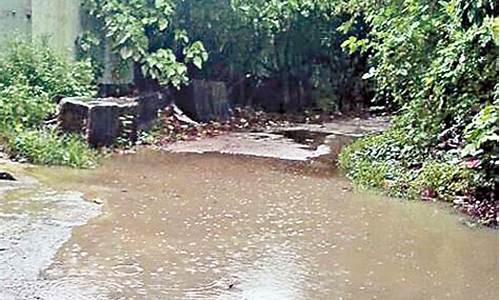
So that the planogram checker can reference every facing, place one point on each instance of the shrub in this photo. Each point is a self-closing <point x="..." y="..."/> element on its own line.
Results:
<point x="47" y="146"/>
<point x="31" y="76"/>
<point x="23" y="107"/>
<point x="481" y="144"/>
<point x="438" y="63"/>
<point x="373" y="162"/>
<point x="442" y="180"/>
<point x="386" y="163"/>
<point x="45" y="71"/>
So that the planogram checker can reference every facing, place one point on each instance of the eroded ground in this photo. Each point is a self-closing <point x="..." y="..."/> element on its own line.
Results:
<point x="210" y="226"/>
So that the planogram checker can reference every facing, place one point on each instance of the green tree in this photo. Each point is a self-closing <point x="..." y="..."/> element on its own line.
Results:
<point x="142" y="32"/>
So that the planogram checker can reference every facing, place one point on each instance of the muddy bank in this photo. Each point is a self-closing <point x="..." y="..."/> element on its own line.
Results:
<point x="190" y="226"/>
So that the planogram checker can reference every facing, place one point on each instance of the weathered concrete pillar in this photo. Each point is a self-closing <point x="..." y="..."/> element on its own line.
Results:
<point x="57" y="22"/>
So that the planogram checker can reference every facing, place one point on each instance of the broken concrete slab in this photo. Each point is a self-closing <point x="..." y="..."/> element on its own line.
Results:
<point x="283" y="142"/>
<point x="101" y="121"/>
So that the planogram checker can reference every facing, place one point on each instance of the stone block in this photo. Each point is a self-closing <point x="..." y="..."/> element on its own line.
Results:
<point x="111" y="119"/>
<point x="101" y="121"/>
<point x="73" y="114"/>
<point x="204" y="100"/>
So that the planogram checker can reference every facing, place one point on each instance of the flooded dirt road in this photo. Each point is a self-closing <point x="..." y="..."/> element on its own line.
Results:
<point x="213" y="226"/>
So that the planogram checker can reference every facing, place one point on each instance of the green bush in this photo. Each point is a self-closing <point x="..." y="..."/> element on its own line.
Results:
<point x="380" y="162"/>
<point x="443" y="180"/>
<point x="374" y="162"/>
<point x="31" y="76"/>
<point x="22" y="107"/>
<point x="438" y="63"/>
<point x="45" y="71"/>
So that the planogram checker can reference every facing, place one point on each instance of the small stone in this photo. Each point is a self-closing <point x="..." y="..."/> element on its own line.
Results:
<point x="6" y="176"/>
<point x="98" y="201"/>
<point x="346" y="188"/>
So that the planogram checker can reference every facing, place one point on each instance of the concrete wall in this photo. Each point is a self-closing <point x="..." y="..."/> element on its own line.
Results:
<point x="15" y="20"/>
<point x="57" y="22"/>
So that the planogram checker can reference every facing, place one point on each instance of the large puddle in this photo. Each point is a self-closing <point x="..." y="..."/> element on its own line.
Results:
<point x="190" y="226"/>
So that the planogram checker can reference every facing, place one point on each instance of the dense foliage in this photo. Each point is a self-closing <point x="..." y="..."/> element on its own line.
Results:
<point x="437" y="62"/>
<point x="142" y="32"/>
<point x="283" y="55"/>
<point x="32" y="78"/>
<point x="286" y="51"/>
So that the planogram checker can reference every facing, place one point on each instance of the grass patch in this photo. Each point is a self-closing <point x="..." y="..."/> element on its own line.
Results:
<point x="47" y="146"/>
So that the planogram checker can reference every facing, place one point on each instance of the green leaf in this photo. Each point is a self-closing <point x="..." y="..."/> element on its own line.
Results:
<point x="494" y="29"/>
<point x="126" y="53"/>
<point x="469" y="149"/>
<point x="162" y="24"/>
<point x="159" y="3"/>
<point x="198" y="62"/>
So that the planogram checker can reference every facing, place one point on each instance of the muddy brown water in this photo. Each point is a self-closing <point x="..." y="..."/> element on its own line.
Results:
<point x="211" y="226"/>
